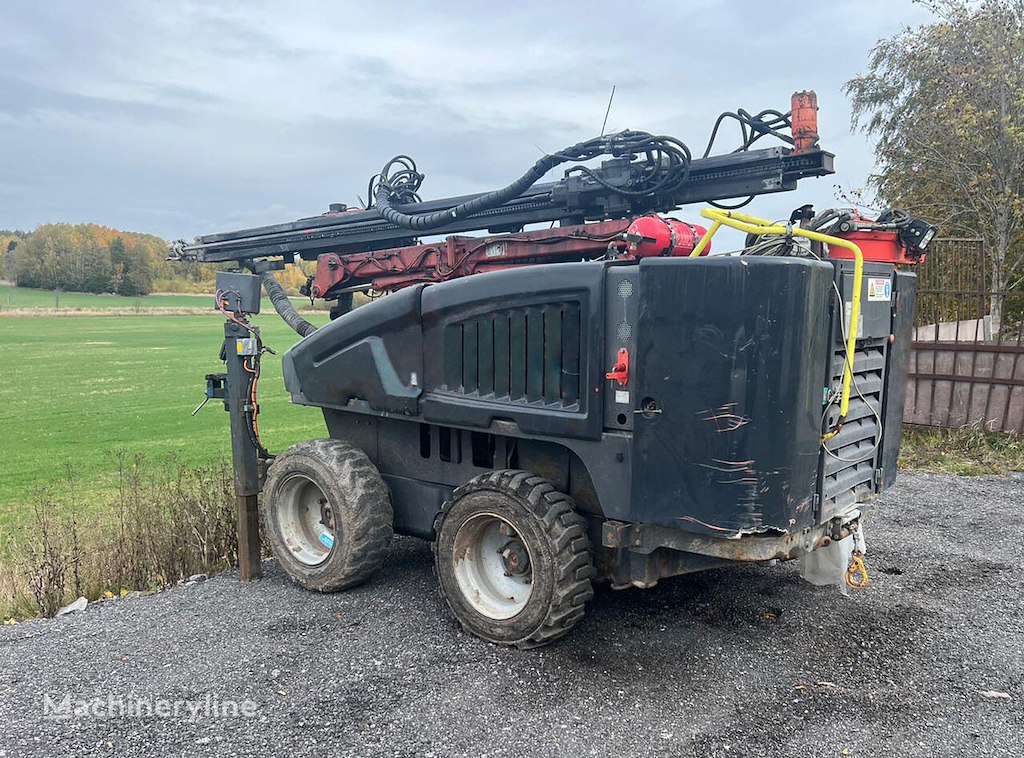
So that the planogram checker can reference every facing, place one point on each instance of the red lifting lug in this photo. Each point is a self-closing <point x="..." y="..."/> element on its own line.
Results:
<point x="620" y="371"/>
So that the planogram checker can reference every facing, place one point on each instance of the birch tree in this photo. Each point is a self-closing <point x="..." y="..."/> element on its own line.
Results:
<point x="945" y="102"/>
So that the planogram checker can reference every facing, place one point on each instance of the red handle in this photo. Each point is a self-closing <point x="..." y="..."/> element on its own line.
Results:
<point x="620" y="371"/>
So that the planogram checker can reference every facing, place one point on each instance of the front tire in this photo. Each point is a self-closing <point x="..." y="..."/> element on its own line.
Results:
<point x="327" y="514"/>
<point x="513" y="559"/>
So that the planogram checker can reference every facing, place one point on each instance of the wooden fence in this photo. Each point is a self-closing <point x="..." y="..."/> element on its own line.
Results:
<point x="963" y="372"/>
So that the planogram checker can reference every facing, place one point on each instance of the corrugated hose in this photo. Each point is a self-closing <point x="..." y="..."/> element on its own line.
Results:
<point x="283" y="305"/>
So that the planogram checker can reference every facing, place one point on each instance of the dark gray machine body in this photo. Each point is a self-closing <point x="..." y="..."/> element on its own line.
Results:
<point x="709" y="454"/>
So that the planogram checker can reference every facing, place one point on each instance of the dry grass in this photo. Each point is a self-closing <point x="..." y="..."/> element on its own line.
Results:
<point x="965" y="452"/>
<point x="164" y="523"/>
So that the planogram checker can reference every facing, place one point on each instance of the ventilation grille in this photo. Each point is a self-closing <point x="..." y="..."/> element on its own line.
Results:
<point x="851" y="467"/>
<point x="623" y="331"/>
<point x="526" y="355"/>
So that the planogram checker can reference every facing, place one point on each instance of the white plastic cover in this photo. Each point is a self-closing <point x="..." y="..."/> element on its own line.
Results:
<point x="827" y="565"/>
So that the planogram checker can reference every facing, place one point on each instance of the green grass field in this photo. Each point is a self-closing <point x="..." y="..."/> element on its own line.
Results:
<point x="78" y="389"/>
<point x="21" y="299"/>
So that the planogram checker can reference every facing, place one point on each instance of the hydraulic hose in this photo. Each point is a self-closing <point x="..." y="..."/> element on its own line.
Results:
<point x="283" y="305"/>
<point x="490" y="200"/>
<point x="668" y="161"/>
<point x="755" y="225"/>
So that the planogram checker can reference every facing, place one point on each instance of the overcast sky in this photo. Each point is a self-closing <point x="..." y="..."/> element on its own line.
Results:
<point x="189" y="118"/>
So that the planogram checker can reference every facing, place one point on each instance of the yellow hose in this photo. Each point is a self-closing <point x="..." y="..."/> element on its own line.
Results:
<point x="755" y="225"/>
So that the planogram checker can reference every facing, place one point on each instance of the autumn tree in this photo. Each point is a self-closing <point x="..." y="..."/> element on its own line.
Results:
<point x="9" y="241"/>
<point x="946" y="104"/>
<point x="294" y="276"/>
<point x="44" y="259"/>
<point x="88" y="258"/>
<point x="130" y="264"/>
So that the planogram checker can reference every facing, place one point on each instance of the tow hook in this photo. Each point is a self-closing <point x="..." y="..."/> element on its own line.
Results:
<point x="857" y="571"/>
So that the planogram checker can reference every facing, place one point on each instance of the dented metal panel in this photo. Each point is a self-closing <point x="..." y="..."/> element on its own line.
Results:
<point x="731" y="352"/>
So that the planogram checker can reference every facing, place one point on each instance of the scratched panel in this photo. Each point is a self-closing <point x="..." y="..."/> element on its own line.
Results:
<point x="737" y="374"/>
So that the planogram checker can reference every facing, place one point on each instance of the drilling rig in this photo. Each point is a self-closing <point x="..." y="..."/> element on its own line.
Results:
<point x="578" y="392"/>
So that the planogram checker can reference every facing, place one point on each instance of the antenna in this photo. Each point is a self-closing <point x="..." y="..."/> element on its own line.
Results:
<point x="607" y="111"/>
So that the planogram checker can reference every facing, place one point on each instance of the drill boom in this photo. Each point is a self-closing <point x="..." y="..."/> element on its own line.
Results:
<point x="572" y="200"/>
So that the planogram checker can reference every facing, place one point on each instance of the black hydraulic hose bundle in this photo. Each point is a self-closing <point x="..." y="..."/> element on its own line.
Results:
<point x="753" y="128"/>
<point x="283" y="305"/>
<point x="667" y="167"/>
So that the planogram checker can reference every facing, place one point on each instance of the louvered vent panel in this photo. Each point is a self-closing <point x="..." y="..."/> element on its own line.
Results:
<point x="525" y="355"/>
<point x="854" y="451"/>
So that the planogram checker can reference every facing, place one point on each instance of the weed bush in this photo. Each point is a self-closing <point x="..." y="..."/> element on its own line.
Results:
<point x="165" y="522"/>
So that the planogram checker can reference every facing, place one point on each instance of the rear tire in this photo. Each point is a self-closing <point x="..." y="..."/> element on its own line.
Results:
<point x="327" y="514"/>
<point x="513" y="559"/>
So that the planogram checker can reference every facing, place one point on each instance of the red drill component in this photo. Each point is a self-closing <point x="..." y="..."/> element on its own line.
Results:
<point x="881" y="246"/>
<point x="894" y="237"/>
<point x="804" y="108"/>
<point x="457" y="256"/>
<point x="620" y="371"/>
<point x="650" y="236"/>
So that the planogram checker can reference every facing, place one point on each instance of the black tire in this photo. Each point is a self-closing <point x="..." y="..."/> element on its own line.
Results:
<point x="355" y="512"/>
<point x="535" y="516"/>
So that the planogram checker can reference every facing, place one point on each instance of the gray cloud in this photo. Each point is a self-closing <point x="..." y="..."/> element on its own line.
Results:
<point x="24" y="100"/>
<point x="182" y="119"/>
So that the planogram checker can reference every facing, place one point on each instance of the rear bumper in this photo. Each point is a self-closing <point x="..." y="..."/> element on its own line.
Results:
<point x="746" y="547"/>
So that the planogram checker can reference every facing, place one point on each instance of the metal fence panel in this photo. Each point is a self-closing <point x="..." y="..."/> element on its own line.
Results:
<point x="965" y="370"/>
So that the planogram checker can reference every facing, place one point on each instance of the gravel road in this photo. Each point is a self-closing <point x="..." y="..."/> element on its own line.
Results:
<point x="739" y="662"/>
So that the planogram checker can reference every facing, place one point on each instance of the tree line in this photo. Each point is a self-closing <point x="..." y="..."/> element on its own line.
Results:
<point x="99" y="259"/>
<point x="84" y="258"/>
<point x="87" y="258"/>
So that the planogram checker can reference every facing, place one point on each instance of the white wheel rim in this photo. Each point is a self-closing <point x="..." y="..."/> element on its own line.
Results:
<point x="306" y="520"/>
<point x="489" y="557"/>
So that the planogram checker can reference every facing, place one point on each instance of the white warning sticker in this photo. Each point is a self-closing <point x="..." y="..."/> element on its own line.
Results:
<point x="622" y="397"/>
<point x="879" y="289"/>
